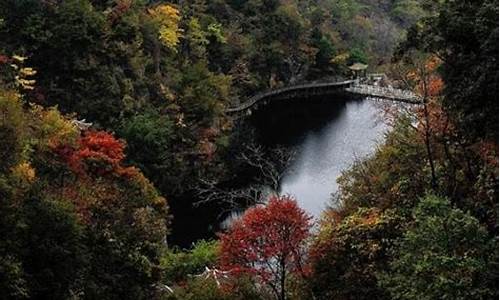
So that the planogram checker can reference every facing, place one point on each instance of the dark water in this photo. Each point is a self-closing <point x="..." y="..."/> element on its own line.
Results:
<point x="329" y="136"/>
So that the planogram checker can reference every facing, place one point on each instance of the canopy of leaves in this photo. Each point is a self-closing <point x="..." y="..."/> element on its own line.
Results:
<point x="464" y="34"/>
<point x="168" y="18"/>
<point x="347" y="253"/>
<point x="446" y="254"/>
<point x="267" y="243"/>
<point x="179" y="265"/>
<point x="75" y="219"/>
<point x="180" y="64"/>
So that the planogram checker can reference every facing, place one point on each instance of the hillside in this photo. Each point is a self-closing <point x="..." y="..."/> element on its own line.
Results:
<point x="119" y="161"/>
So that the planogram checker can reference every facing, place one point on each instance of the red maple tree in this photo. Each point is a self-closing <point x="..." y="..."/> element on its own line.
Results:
<point x="98" y="152"/>
<point x="268" y="242"/>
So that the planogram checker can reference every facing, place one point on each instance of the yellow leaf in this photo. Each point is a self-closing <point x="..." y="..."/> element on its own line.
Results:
<point x="168" y="18"/>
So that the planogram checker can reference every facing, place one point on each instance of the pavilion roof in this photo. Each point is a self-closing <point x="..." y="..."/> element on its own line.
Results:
<point x="358" y="67"/>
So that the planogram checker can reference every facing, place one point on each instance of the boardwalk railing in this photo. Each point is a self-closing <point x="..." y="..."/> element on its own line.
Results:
<point x="350" y="86"/>
<point x="271" y="93"/>
<point x="388" y="93"/>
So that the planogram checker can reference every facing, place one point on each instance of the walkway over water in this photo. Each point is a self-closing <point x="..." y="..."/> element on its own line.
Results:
<point x="353" y="88"/>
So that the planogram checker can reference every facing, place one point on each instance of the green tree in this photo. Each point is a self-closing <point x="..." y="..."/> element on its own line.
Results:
<point x="178" y="265"/>
<point x="325" y="54"/>
<point x="151" y="142"/>
<point x="357" y="55"/>
<point x="100" y="57"/>
<point x="55" y="253"/>
<point x="446" y="254"/>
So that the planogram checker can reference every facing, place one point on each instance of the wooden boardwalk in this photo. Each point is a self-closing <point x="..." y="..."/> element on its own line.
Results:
<point x="352" y="87"/>
<point x="387" y="93"/>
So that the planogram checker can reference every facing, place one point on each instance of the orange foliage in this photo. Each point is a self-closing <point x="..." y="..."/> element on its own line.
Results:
<point x="278" y="229"/>
<point x="97" y="151"/>
<point x="432" y="63"/>
<point x="435" y="86"/>
<point x="100" y="153"/>
<point x="439" y="123"/>
<point x="428" y="82"/>
<point x="102" y="145"/>
<point x="431" y="87"/>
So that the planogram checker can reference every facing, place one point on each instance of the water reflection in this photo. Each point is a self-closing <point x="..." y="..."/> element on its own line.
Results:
<point x="324" y="153"/>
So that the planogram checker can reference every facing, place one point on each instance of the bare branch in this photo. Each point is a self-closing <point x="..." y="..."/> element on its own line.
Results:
<point x="271" y="167"/>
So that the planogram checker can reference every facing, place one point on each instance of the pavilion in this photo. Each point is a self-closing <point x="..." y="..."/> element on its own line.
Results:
<point x="358" y="70"/>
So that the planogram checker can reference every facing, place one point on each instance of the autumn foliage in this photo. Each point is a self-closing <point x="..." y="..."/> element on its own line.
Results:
<point x="268" y="242"/>
<point x="97" y="151"/>
<point x="168" y="18"/>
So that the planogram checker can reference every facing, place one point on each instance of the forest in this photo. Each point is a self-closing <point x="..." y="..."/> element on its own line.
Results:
<point x="121" y="168"/>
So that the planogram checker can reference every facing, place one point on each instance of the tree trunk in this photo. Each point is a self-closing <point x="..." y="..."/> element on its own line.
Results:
<point x="428" y="148"/>
<point x="156" y="56"/>
<point x="428" y="134"/>
<point x="283" y="279"/>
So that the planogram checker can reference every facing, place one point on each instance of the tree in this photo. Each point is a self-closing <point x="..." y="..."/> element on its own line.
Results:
<point x="98" y="152"/>
<point x="99" y="52"/>
<point x="56" y="257"/>
<point x="418" y="72"/>
<point x="74" y="219"/>
<point x="268" y="243"/>
<point x="348" y="252"/>
<point x="197" y="39"/>
<point x="464" y="34"/>
<point x="325" y="54"/>
<point x="168" y="18"/>
<point x="407" y="12"/>
<point x="179" y="265"/>
<point x="270" y="164"/>
<point x="446" y="254"/>
<point x="357" y="55"/>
